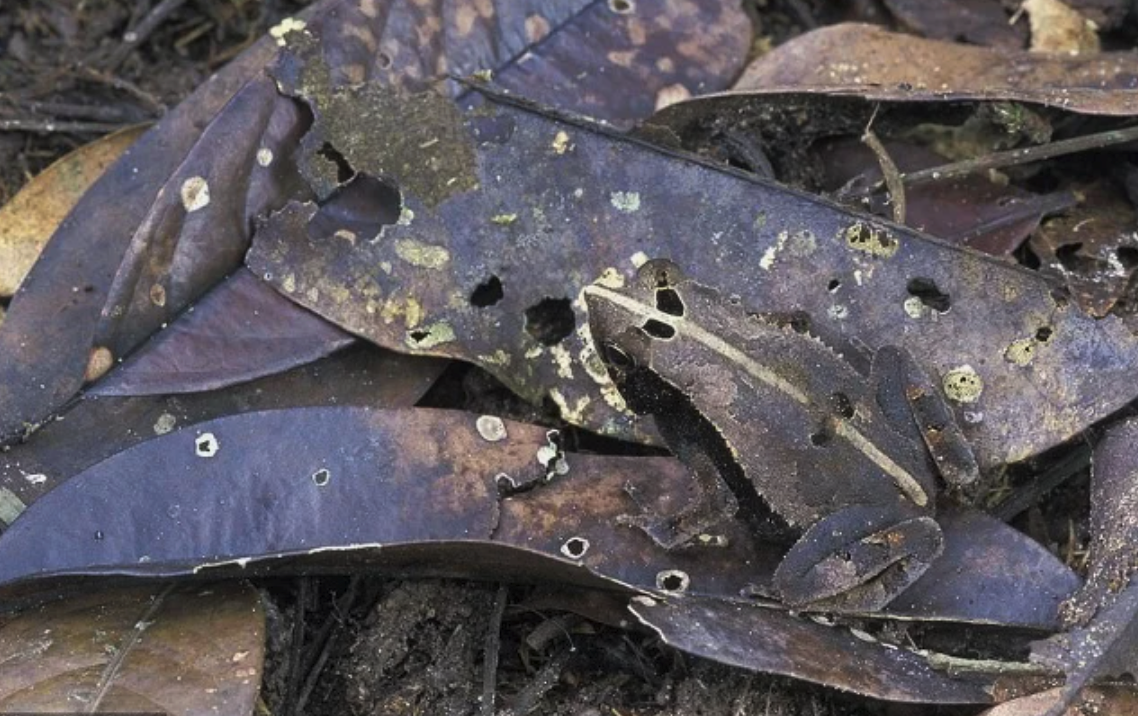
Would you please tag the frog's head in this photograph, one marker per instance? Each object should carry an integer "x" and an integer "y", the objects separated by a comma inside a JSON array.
[{"x": 626, "y": 324}]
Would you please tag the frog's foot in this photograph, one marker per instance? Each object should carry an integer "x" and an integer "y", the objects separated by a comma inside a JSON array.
[
  {"x": 857, "y": 559},
  {"x": 688, "y": 527}
]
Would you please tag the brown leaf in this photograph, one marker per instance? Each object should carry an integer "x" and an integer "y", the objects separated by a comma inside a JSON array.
[
  {"x": 493, "y": 275},
  {"x": 96, "y": 428},
  {"x": 241, "y": 330},
  {"x": 188, "y": 650},
  {"x": 176, "y": 218},
  {"x": 977, "y": 22},
  {"x": 29, "y": 219},
  {"x": 874, "y": 63}
]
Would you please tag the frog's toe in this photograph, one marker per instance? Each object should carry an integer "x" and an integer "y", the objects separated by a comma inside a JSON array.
[{"x": 857, "y": 559}]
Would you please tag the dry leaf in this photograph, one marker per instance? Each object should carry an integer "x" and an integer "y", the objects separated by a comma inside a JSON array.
[
  {"x": 1055, "y": 27},
  {"x": 31, "y": 217}
]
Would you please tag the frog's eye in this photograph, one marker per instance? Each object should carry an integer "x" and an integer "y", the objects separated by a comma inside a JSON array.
[{"x": 615, "y": 356}]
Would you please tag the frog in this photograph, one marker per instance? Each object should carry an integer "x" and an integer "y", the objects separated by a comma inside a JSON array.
[{"x": 839, "y": 451}]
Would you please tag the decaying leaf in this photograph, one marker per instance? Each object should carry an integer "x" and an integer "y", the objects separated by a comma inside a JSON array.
[
  {"x": 98, "y": 427},
  {"x": 451, "y": 280},
  {"x": 176, "y": 217},
  {"x": 1108, "y": 699},
  {"x": 1056, "y": 27},
  {"x": 29, "y": 219},
  {"x": 875, "y": 63},
  {"x": 977, "y": 22},
  {"x": 241, "y": 330},
  {"x": 192, "y": 650}
]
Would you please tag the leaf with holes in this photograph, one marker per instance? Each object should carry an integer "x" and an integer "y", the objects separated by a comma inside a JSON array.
[
  {"x": 345, "y": 489},
  {"x": 544, "y": 205},
  {"x": 174, "y": 217},
  {"x": 189, "y": 650},
  {"x": 96, "y": 428}
]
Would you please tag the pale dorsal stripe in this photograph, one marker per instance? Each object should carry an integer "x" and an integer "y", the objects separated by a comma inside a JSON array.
[{"x": 904, "y": 480}]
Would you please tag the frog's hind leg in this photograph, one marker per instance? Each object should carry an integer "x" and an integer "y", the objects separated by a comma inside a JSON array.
[
  {"x": 914, "y": 405},
  {"x": 857, "y": 559}
]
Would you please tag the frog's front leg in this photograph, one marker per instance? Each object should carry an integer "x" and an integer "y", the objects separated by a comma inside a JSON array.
[
  {"x": 915, "y": 407},
  {"x": 712, "y": 504},
  {"x": 857, "y": 559}
]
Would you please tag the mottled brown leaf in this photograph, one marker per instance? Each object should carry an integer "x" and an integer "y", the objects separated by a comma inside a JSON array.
[
  {"x": 977, "y": 22},
  {"x": 189, "y": 650},
  {"x": 493, "y": 276},
  {"x": 872, "y": 62},
  {"x": 174, "y": 216}
]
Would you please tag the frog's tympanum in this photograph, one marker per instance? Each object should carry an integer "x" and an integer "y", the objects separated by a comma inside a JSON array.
[{"x": 780, "y": 427}]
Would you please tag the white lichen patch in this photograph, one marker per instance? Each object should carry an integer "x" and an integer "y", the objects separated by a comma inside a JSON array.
[
  {"x": 563, "y": 359},
  {"x": 206, "y": 445},
  {"x": 37, "y": 478},
  {"x": 503, "y": 219},
  {"x": 346, "y": 235},
  {"x": 915, "y": 308},
  {"x": 280, "y": 31},
  {"x": 771, "y": 253},
  {"x": 99, "y": 361},
  {"x": 872, "y": 240},
  {"x": 195, "y": 194},
  {"x": 1020, "y": 352},
  {"x": 406, "y": 216},
  {"x": 165, "y": 423},
  {"x": 560, "y": 143},
  {"x": 430, "y": 336},
  {"x": 571, "y": 413},
  {"x": 611, "y": 278},
  {"x": 625, "y": 201},
  {"x": 613, "y": 397},
  {"x": 963, "y": 384},
  {"x": 838, "y": 312},
  {"x": 264, "y": 156},
  {"x": 499, "y": 357},
  {"x": 288, "y": 283},
  {"x": 10, "y": 506},
  {"x": 638, "y": 259},
  {"x": 491, "y": 428},
  {"x": 422, "y": 255},
  {"x": 670, "y": 95},
  {"x": 534, "y": 352}
]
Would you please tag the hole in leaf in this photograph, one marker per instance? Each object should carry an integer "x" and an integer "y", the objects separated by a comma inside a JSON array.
[
  {"x": 357, "y": 210},
  {"x": 1043, "y": 334},
  {"x": 487, "y": 293},
  {"x": 575, "y": 547},
  {"x": 821, "y": 438},
  {"x": 833, "y": 285},
  {"x": 1127, "y": 256},
  {"x": 344, "y": 170},
  {"x": 321, "y": 477},
  {"x": 550, "y": 321},
  {"x": 842, "y": 405},
  {"x": 621, "y": 7},
  {"x": 926, "y": 290},
  {"x": 672, "y": 580},
  {"x": 419, "y": 336},
  {"x": 1068, "y": 255},
  {"x": 384, "y": 60},
  {"x": 659, "y": 329},
  {"x": 669, "y": 302}
]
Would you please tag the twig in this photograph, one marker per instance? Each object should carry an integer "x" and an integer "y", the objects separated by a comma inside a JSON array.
[
  {"x": 493, "y": 646},
  {"x": 889, "y": 171},
  {"x": 1013, "y": 157},
  {"x": 1072, "y": 463},
  {"x": 51, "y": 126},
  {"x": 545, "y": 679},
  {"x": 71, "y": 110},
  {"x": 138, "y": 34},
  {"x": 150, "y": 101}
]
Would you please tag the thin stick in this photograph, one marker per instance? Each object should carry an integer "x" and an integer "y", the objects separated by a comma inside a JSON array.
[
  {"x": 138, "y": 34},
  {"x": 493, "y": 646},
  {"x": 51, "y": 126},
  {"x": 889, "y": 171}
]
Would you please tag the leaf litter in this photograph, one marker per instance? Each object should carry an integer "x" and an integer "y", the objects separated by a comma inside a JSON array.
[{"x": 424, "y": 246}]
